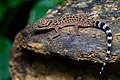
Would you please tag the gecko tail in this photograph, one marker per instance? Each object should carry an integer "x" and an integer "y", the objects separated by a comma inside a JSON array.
[{"x": 108, "y": 32}]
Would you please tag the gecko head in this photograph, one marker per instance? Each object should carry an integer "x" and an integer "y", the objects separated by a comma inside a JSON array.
[{"x": 42, "y": 24}]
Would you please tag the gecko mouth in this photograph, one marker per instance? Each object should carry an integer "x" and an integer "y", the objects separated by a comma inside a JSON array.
[{"x": 40, "y": 28}]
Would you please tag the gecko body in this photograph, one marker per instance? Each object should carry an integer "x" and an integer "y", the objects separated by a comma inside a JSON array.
[
  {"x": 78, "y": 21},
  {"x": 66, "y": 20}
]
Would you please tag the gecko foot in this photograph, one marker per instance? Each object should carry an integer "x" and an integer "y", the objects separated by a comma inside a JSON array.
[
  {"x": 73, "y": 33},
  {"x": 49, "y": 39}
]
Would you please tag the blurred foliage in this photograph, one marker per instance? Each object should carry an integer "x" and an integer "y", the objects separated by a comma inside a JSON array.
[
  {"x": 7, "y": 4},
  {"x": 37, "y": 11},
  {"x": 3, "y": 9},
  {"x": 40, "y": 8},
  {"x": 5, "y": 43},
  {"x": 4, "y": 58}
]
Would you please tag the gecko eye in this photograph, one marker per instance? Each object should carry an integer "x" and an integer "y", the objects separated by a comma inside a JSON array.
[{"x": 43, "y": 24}]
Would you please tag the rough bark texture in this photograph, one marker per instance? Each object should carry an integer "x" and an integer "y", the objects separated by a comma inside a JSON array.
[{"x": 68, "y": 57}]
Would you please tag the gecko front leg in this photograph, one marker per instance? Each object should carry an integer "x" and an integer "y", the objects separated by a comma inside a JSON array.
[
  {"x": 74, "y": 31},
  {"x": 58, "y": 33}
]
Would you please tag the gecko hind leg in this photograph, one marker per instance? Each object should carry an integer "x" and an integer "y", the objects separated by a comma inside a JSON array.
[{"x": 75, "y": 31}]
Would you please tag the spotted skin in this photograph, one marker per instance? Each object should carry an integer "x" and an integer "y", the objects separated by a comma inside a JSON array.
[{"x": 78, "y": 21}]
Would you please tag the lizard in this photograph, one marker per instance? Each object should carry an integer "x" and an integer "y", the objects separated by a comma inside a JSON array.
[{"x": 78, "y": 21}]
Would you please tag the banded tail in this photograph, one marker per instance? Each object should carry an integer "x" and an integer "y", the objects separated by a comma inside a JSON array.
[{"x": 108, "y": 32}]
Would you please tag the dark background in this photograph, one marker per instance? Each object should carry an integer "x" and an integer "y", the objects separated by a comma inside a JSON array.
[{"x": 14, "y": 16}]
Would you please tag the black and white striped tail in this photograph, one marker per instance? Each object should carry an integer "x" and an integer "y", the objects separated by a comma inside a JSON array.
[{"x": 108, "y": 32}]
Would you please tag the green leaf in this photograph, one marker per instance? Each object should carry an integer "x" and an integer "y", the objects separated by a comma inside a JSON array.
[
  {"x": 15, "y": 3},
  {"x": 40, "y": 8},
  {"x": 3, "y": 9},
  {"x": 59, "y": 1},
  {"x": 4, "y": 58}
]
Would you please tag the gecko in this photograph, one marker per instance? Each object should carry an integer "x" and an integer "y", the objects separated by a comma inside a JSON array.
[{"x": 77, "y": 20}]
